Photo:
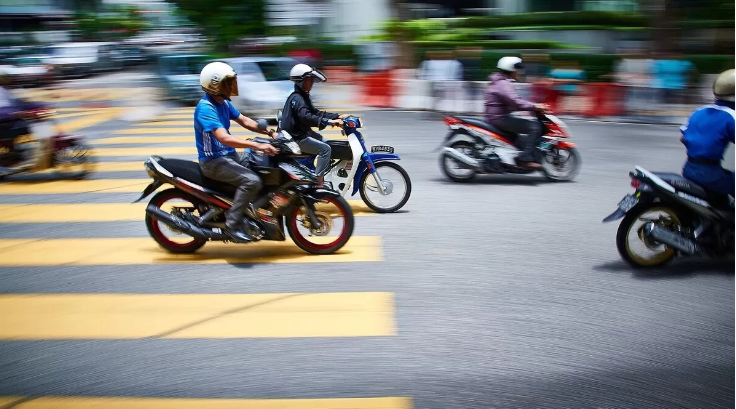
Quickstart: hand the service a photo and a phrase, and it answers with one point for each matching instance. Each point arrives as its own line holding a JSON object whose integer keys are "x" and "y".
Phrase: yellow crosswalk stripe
{"x": 142, "y": 140}
{"x": 74, "y": 186}
{"x": 98, "y": 212}
{"x": 96, "y": 118}
{"x": 147, "y": 151}
{"x": 74, "y": 402}
{"x": 134, "y": 316}
{"x": 136, "y": 251}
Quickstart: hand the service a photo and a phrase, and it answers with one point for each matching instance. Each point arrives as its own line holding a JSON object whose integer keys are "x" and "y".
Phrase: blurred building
{"x": 22, "y": 21}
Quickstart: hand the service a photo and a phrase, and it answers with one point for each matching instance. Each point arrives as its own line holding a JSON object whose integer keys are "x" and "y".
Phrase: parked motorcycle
{"x": 384, "y": 185}
{"x": 193, "y": 211}
{"x": 44, "y": 148}
{"x": 475, "y": 147}
{"x": 672, "y": 216}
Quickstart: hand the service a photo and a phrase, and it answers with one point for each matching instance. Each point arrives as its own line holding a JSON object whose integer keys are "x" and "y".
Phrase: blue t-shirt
{"x": 208, "y": 116}
{"x": 708, "y": 132}
{"x": 671, "y": 74}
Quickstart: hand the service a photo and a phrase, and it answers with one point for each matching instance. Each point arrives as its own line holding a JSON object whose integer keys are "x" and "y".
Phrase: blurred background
{"x": 504, "y": 293}
{"x": 584, "y": 57}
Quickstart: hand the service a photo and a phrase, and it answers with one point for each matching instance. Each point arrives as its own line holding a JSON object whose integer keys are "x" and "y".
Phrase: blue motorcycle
{"x": 384, "y": 185}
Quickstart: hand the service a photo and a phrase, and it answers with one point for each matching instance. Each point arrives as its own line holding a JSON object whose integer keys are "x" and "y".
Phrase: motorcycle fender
{"x": 150, "y": 189}
{"x": 457, "y": 137}
{"x": 565, "y": 145}
{"x": 362, "y": 167}
{"x": 618, "y": 213}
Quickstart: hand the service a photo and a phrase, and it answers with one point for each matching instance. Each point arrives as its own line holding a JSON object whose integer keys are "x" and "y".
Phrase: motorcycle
{"x": 288, "y": 197}
{"x": 44, "y": 148}
{"x": 477, "y": 147}
{"x": 374, "y": 173}
{"x": 672, "y": 217}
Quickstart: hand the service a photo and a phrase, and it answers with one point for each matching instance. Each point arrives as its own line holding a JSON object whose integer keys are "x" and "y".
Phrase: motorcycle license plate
{"x": 627, "y": 203}
{"x": 382, "y": 148}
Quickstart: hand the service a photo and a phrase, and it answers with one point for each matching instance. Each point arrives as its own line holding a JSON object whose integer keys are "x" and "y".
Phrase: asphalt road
{"x": 508, "y": 293}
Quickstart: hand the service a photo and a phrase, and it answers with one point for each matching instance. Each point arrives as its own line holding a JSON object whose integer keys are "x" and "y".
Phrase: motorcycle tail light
{"x": 451, "y": 121}
{"x": 635, "y": 183}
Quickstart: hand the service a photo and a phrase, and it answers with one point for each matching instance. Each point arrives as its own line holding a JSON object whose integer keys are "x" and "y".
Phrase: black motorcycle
{"x": 672, "y": 216}
{"x": 194, "y": 210}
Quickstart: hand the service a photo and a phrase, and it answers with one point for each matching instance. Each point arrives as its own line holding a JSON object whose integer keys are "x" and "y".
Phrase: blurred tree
{"x": 226, "y": 20}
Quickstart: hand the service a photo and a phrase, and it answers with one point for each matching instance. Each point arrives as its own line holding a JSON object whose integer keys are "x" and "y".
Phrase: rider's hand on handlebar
{"x": 269, "y": 150}
{"x": 542, "y": 107}
{"x": 273, "y": 134}
{"x": 343, "y": 116}
{"x": 337, "y": 122}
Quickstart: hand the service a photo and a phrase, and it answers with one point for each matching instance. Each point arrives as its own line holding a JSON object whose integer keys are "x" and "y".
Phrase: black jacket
{"x": 299, "y": 116}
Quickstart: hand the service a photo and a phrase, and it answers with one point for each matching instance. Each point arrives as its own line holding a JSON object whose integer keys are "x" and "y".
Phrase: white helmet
{"x": 219, "y": 79}
{"x": 300, "y": 72}
{"x": 723, "y": 86}
{"x": 510, "y": 64}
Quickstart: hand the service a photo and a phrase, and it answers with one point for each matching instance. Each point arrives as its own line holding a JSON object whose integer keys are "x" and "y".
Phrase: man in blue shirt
{"x": 218, "y": 159}
{"x": 707, "y": 134}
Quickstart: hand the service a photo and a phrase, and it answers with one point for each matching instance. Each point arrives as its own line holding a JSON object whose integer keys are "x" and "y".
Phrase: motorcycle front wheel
{"x": 635, "y": 247}
{"x": 75, "y": 162}
{"x": 561, "y": 165}
{"x": 336, "y": 224}
{"x": 396, "y": 184}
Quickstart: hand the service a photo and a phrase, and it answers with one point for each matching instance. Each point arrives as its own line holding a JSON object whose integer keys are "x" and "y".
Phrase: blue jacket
{"x": 709, "y": 130}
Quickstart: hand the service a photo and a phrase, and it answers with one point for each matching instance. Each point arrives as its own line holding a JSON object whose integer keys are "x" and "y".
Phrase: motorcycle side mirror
{"x": 262, "y": 124}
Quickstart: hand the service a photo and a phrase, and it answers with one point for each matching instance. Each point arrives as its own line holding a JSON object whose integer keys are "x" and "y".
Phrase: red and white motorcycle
{"x": 476, "y": 147}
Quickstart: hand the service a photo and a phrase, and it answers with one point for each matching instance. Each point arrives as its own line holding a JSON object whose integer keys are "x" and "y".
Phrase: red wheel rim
{"x": 156, "y": 225}
{"x": 299, "y": 237}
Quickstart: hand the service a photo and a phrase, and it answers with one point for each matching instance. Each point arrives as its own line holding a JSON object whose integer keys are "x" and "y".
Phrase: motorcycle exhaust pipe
{"x": 670, "y": 238}
{"x": 184, "y": 226}
{"x": 461, "y": 157}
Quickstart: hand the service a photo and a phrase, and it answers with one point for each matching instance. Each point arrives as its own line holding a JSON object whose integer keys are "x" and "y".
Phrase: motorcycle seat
{"x": 488, "y": 127}
{"x": 190, "y": 172}
{"x": 687, "y": 186}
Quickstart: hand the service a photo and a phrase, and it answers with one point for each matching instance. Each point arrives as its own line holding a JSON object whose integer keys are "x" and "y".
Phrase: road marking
{"x": 74, "y": 402}
{"x": 135, "y": 316}
{"x": 75, "y": 186}
{"x": 96, "y": 118}
{"x": 99, "y": 212}
{"x": 142, "y": 140}
{"x": 138, "y": 251}
{"x": 148, "y": 151}
{"x": 235, "y": 130}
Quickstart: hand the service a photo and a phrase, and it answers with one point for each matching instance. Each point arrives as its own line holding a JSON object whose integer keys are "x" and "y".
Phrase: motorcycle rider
{"x": 501, "y": 100}
{"x": 218, "y": 158}
{"x": 706, "y": 136}
{"x": 300, "y": 115}
{"x": 13, "y": 119}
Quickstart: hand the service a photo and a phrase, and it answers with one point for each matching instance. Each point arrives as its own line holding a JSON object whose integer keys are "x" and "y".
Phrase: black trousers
{"x": 532, "y": 131}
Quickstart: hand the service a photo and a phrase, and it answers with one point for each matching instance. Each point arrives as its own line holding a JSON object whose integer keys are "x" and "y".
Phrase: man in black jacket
{"x": 300, "y": 115}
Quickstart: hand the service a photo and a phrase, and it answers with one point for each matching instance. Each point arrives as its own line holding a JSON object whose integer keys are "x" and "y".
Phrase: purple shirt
{"x": 502, "y": 99}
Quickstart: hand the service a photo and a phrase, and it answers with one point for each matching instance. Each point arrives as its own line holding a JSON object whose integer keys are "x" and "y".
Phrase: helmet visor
{"x": 230, "y": 86}
{"x": 318, "y": 76}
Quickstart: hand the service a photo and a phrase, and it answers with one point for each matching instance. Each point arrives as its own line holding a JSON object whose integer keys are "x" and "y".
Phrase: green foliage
{"x": 226, "y": 20}
{"x": 345, "y": 53}
{"x": 711, "y": 64}
{"x": 92, "y": 26}
{"x": 568, "y": 18}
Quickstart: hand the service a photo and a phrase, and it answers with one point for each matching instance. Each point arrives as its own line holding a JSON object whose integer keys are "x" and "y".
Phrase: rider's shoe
{"x": 237, "y": 235}
{"x": 530, "y": 165}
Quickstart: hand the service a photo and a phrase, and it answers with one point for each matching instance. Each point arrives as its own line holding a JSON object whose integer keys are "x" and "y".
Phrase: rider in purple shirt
{"x": 502, "y": 100}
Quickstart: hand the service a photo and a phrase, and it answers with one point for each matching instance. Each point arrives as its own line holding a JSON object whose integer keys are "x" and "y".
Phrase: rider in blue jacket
{"x": 707, "y": 134}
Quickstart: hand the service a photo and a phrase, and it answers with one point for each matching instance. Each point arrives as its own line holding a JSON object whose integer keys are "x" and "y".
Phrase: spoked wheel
{"x": 179, "y": 204}
{"x": 635, "y": 247}
{"x": 396, "y": 187}
{"x": 335, "y": 228}
{"x": 561, "y": 165}
{"x": 456, "y": 170}
{"x": 75, "y": 162}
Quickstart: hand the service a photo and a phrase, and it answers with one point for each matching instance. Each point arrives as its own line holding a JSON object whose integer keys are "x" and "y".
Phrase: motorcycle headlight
{"x": 294, "y": 147}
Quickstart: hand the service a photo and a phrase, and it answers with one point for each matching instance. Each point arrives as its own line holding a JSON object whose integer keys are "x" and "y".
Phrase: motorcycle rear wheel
{"x": 156, "y": 228}
{"x": 662, "y": 253}
{"x": 466, "y": 148}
